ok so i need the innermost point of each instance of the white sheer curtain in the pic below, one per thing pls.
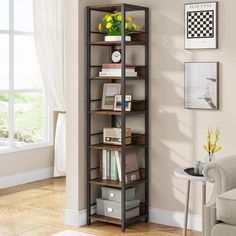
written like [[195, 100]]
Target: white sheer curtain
[[49, 39]]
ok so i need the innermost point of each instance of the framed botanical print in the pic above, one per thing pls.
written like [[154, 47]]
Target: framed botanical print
[[201, 25], [108, 95], [201, 85]]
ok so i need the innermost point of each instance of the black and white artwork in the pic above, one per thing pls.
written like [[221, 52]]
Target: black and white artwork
[[201, 85], [201, 25]]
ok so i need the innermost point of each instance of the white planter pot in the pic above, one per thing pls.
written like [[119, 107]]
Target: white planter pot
[[116, 38]]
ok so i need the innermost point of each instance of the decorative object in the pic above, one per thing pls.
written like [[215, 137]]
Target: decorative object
[[201, 85], [201, 25], [108, 95], [118, 102], [116, 56], [113, 136], [212, 144], [111, 24]]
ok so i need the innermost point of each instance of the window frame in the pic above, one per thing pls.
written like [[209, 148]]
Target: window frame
[[47, 122]]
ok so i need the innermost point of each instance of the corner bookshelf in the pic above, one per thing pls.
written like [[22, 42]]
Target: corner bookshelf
[[139, 108]]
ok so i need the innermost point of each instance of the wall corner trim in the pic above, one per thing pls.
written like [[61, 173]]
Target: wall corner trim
[[26, 177], [157, 216]]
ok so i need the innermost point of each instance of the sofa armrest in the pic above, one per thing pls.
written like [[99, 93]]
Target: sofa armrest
[[223, 174]]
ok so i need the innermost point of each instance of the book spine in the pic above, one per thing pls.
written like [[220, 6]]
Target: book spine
[[104, 164], [114, 173], [108, 170], [118, 164]]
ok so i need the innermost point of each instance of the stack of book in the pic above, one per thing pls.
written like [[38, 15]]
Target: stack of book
[[111, 166], [109, 70]]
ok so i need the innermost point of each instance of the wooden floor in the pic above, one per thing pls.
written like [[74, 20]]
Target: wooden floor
[[38, 209]]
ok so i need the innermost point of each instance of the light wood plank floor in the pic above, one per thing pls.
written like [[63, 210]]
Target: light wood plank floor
[[37, 209]]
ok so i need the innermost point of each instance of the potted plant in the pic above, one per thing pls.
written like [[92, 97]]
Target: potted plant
[[111, 25]]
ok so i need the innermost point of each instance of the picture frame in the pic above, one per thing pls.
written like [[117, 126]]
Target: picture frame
[[108, 95], [201, 86], [201, 25], [118, 102]]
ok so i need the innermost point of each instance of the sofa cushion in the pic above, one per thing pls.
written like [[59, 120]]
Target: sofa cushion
[[226, 207]]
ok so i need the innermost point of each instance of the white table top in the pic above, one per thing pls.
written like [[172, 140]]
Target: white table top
[[180, 173]]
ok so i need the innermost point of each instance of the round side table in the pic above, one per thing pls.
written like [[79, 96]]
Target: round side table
[[180, 173]]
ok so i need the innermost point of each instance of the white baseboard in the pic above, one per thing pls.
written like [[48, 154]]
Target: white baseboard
[[174, 218], [24, 178], [76, 218], [157, 216]]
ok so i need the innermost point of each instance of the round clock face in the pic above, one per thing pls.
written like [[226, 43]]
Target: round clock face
[[116, 56]]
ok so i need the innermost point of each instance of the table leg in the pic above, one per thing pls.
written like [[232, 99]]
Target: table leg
[[186, 210], [203, 203]]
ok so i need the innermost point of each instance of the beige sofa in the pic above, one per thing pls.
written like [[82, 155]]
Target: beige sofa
[[220, 211]]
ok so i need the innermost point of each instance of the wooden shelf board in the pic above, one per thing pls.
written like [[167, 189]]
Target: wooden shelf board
[[117, 78], [105, 219], [110, 43], [116, 7], [108, 183], [115, 113], [103, 146], [115, 184]]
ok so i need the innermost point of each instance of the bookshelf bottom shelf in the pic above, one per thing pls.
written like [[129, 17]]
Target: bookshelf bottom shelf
[[114, 221]]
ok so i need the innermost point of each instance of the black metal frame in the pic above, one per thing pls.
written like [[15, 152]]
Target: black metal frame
[[123, 7]]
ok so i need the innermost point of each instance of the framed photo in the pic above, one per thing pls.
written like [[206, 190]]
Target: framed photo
[[118, 102], [108, 95], [201, 25], [201, 85]]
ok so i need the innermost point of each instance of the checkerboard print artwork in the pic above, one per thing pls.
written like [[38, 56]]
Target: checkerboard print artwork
[[200, 24]]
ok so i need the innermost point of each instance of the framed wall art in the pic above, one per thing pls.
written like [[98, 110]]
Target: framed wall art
[[108, 95], [118, 102], [201, 85], [201, 25]]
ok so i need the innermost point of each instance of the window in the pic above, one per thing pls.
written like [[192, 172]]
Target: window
[[24, 114]]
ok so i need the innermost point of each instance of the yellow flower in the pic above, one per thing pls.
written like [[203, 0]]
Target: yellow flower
[[135, 26], [128, 19], [119, 18], [105, 17], [108, 19], [113, 14], [108, 25], [100, 27], [126, 25]]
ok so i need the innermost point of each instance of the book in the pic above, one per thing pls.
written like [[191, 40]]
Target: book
[[114, 171], [108, 163], [104, 164], [110, 74], [117, 66], [117, 70]]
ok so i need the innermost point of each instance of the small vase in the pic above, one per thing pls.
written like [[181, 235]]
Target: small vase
[[209, 158], [111, 38]]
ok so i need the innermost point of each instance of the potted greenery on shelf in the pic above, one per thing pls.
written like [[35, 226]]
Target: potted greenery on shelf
[[111, 25]]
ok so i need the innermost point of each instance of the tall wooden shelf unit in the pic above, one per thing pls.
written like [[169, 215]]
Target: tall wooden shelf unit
[[139, 38]]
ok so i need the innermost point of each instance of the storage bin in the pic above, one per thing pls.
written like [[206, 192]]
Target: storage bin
[[113, 208], [115, 194]]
